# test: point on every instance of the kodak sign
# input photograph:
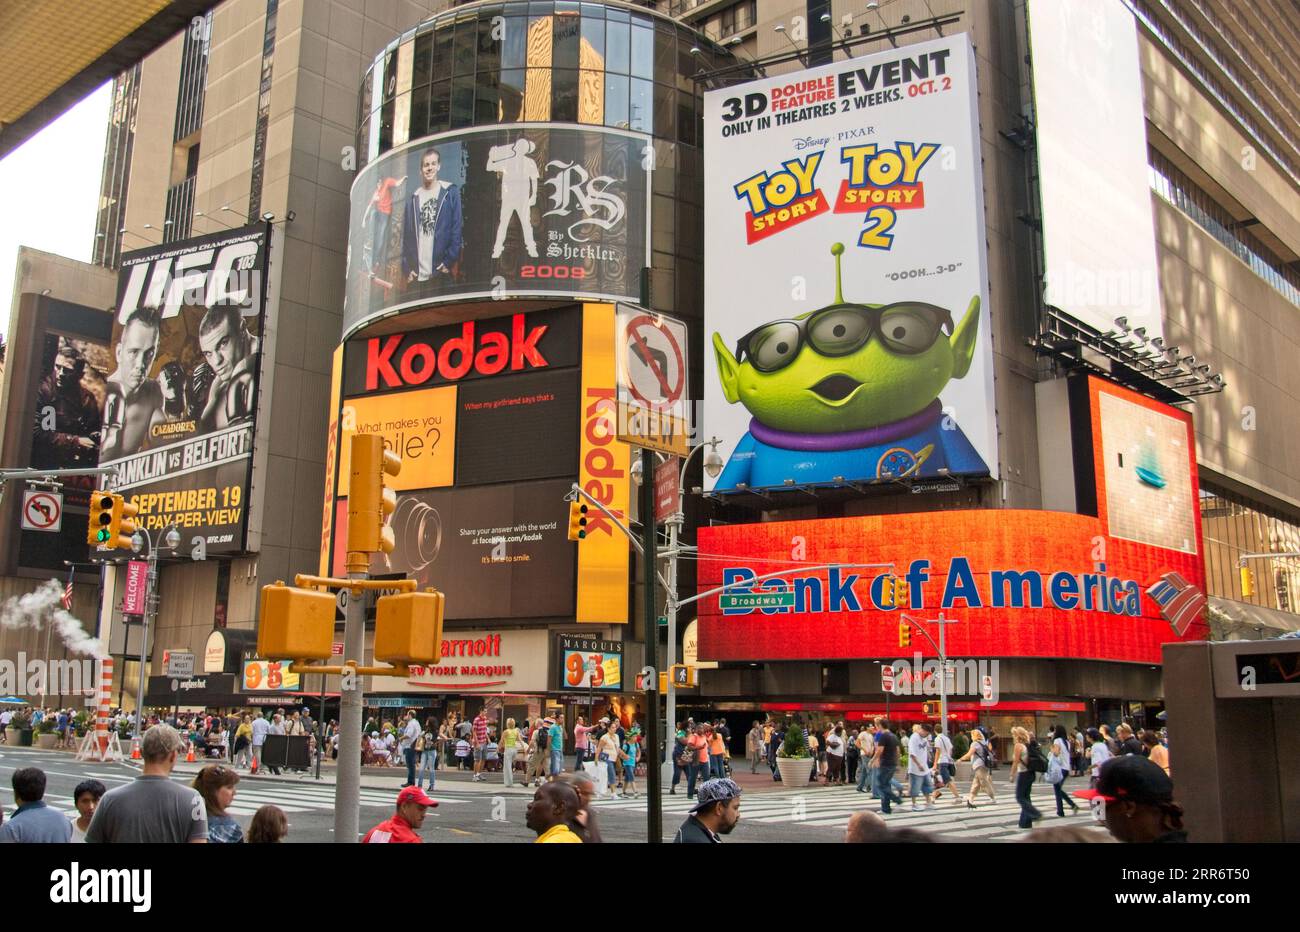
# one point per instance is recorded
(603, 470)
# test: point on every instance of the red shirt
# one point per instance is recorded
(392, 831)
(383, 198)
(480, 730)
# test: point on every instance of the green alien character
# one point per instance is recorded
(851, 390)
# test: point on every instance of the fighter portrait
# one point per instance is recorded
(134, 402)
(432, 226)
(232, 353)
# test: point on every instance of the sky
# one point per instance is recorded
(49, 190)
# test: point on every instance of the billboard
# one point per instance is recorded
(531, 209)
(269, 676)
(589, 663)
(1018, 583)
(58, 364)
(494, 420)
(1099, 242)
(181, 402)
(846, 293)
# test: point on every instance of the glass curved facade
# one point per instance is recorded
(608, 67)
(490, 63)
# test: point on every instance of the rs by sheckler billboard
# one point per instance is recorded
(846, 292)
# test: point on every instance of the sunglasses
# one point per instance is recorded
(906, 328)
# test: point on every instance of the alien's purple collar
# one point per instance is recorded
(849, 440)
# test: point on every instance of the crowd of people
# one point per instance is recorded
(67, 724)
(151, 809)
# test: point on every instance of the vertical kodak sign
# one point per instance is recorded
(331, 461)
(603, 471)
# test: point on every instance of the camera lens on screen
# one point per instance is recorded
(417, 528)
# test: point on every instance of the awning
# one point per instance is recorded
(1241, 621)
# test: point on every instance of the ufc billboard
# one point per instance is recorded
(180, 405)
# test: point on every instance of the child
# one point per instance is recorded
(628, 756)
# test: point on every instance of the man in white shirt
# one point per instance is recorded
(1098, 754)
(409, 735)
(918, 767)
(261, 728)
(945, 768)
(866, 751)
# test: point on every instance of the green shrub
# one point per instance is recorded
(794, 744)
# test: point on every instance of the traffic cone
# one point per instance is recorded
(254, 766)
(189, 755)
(135, 749)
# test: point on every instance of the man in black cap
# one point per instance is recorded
(716, 812)
(1135, 798)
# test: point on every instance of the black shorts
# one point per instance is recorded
(948, 771)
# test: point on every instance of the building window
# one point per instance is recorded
(1231, 526)
(733, 19)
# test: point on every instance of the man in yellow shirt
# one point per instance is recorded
(552, 811)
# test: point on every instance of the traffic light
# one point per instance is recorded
(111, 523)
(369, 501)
(900, 592)
(295, 623)
(577, 520)
(408, 627)
(1247, 582)
(683, 675)
(904, 634)
(101, 517)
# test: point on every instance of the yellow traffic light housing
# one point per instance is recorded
(369, 501)
(904, 634)
(99, 528)
(577, 520)
(1247, 583)
(930, 709)
(408, 627)
(124, 526)
(900, 592)
(295, 623)
(683, 675)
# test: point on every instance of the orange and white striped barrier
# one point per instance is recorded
(105, 698)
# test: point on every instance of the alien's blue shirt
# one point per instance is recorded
(915, 447)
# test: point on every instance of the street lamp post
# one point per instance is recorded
(171, 539)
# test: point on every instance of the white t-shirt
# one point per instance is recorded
(943, 744)
(834, 745)
(425, 219)
(977, 759)
(409, 734)
(78, 836)
(918, 755)
(6, 717)
(1100, 754)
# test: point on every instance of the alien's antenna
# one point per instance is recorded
(837, 250)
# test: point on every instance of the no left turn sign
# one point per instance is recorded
(42, 511)
(653, 359)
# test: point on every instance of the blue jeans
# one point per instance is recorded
(409, 754)
(557, 762)
(1062, 798)
(716, 766)
(884, 779)
(611, 779)
(922, 784)
(579, 756)
(1024, 784)
(866, 774)
(695, 772)
(427, 759)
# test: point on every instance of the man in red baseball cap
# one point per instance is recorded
(1135, 798)
(412, 805)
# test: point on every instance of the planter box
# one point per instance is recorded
(47, 742)
(794, 771)
(12, 737)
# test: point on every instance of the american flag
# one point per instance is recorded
(1180, 602)
(67, 592)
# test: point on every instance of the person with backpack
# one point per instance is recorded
(980, 755)
(1058, 768)
(1027, 762)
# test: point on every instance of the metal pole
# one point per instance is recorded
(347, 785)
(670, 658)
(943, 676)
(320, 727)
(150, 602)
(654, 804)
